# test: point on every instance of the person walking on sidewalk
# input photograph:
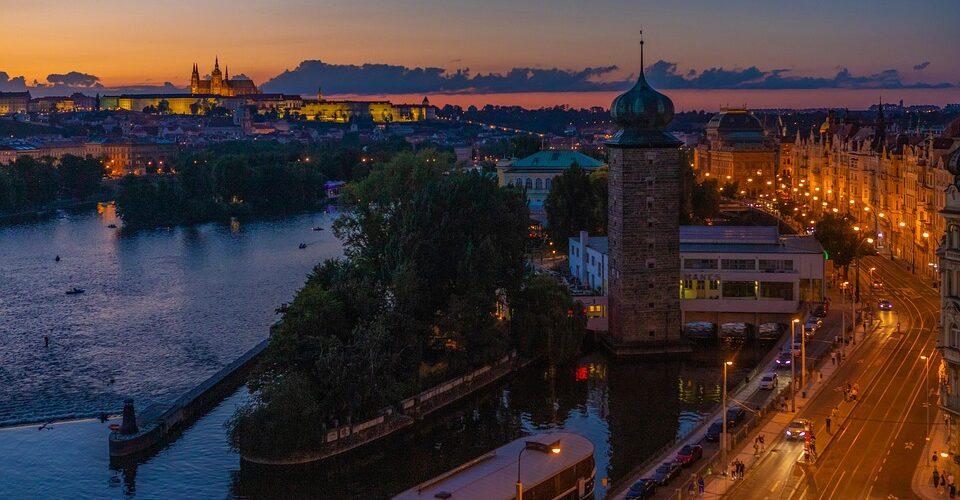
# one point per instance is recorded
(936, 476)
(756, 447)
(763, 443)
(701, 487)
(833, 358)
(828, 424)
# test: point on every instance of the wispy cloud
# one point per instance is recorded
(921, 66)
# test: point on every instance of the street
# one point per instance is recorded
(874, 453)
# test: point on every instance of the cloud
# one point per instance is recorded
(241, 76)
(15, 84)
(664, 74)
(394, 79)
(921, 66)
(73, 79)
(385, 78)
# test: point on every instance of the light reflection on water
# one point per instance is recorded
(164, 309)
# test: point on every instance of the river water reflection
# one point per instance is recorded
(164, 309)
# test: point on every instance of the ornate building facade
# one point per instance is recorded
(735, 149)
(219, 83)
(949, 342)
(893, 187)
(644, 222)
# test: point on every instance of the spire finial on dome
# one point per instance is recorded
(641, 51)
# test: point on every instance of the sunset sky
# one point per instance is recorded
(151, 42)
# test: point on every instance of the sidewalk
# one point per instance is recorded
(718, 485)
(923, 477)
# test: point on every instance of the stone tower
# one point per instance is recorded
(644, 221)
(195, 80)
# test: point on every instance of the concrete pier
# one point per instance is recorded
(157, 421)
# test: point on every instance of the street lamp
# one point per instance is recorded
(553, 447)
(857, 254)
(723, 450)
(926, 387)
(793, 365)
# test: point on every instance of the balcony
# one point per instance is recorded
(950, 354)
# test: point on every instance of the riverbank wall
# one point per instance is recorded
(158, 421)
(347, 437)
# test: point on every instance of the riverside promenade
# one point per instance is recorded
(766, 416)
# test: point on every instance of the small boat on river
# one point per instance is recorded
(75, 291)
(303, 245)
(317, 228)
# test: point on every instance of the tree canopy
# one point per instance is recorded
(432, 253)
(841, 241)
(577, 202)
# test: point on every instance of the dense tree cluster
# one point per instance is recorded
(842, 243)
(29, 183)
(243, 178)
(432, 254)
(577, 202)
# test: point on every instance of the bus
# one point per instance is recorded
(551, 466)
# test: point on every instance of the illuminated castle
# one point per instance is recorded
(220, 83)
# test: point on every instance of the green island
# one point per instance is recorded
(435, 281)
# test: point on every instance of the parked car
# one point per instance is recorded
(769, 381)
(644, 488)
(689, 454)
(798, 429)
(809, 328)
(785, 359)
(666, 472)
(735, 416)
(713, 432)
(885, 305)
(820, 311)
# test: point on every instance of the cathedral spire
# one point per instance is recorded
(216, 62)
(880, 132)
(226, 72)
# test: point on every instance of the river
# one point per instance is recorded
(164, 309)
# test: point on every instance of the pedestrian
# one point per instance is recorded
(936, 477)
(846, 394)
(833, 358)
(756, 448)
(828, 424)
(820, 375)
(763, 443)
(950, 480)
(700, 485)
(943, 484)
(953, 490)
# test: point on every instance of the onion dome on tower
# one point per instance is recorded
(642, 114)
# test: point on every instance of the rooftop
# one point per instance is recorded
(730, 239)
(494, 475)
(559, 158)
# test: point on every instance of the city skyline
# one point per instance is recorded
(515, 46)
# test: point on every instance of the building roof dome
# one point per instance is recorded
(642, 107)
(642, 114)
(735, 120)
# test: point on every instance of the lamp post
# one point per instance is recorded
(793, 366)
(843, 320)
(723, 447)
(803, 361)
(553, 447)
(926, 388)
(856, 285)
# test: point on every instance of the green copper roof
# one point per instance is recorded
(561, 158)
